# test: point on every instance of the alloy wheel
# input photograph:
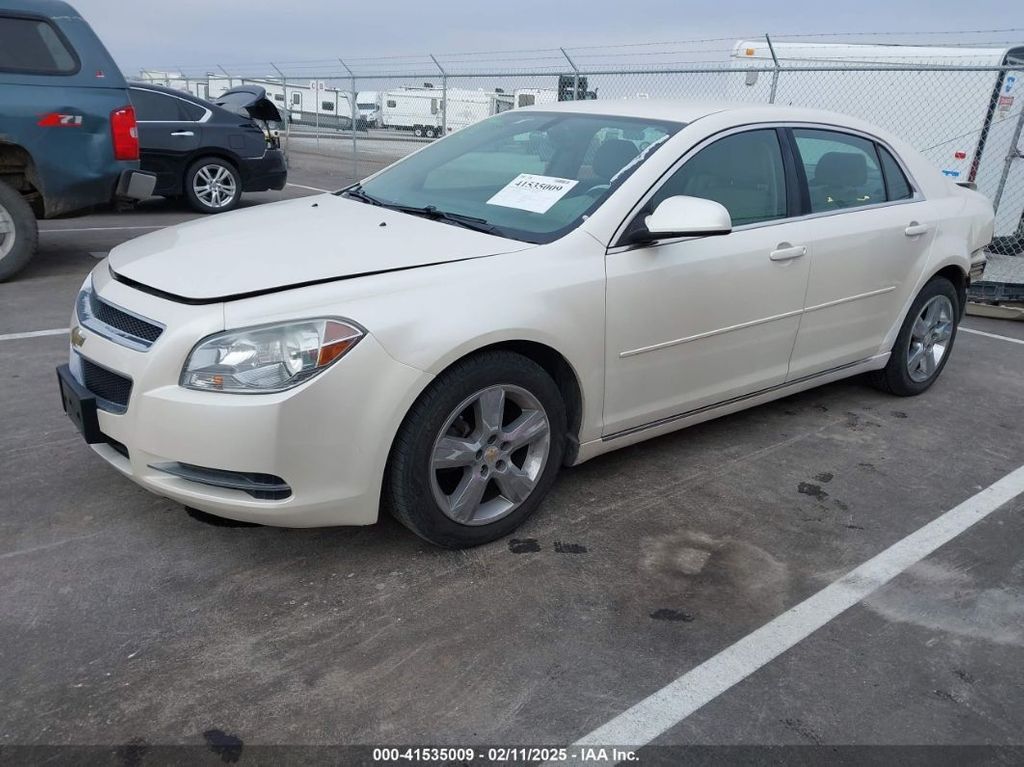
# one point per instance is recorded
(929, 338)
(7, 234)
(214, 185)
(489, 455)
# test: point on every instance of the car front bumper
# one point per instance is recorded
(326, 441)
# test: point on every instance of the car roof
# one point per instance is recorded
(48, 8)
(164, 89)
(677, 110)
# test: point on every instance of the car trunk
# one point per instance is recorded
(251, 101)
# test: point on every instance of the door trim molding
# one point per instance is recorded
(753, 323)
(859, 296)
(709, 334)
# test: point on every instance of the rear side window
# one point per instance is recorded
(743, 172)
(151, 106)
(842, 170)
(33, 46)
(896, 185)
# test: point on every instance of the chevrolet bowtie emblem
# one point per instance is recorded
(77, 337)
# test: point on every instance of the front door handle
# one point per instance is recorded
(787, 252)
(183, 133)
(915, 229)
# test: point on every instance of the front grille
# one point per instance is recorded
(106, 384)
(115, 323)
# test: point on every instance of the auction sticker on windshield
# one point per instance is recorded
(533, 193)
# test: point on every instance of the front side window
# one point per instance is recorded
(33, 46)
(842, 170)
(327, 106)
(151, 106)
(743, 172)
(530, 176)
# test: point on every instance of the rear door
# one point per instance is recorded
(170, 130)
(869, 233)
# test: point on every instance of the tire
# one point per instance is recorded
(924, 342)
(19, 233)
(417, 132)
(220, 178)
(431, 133)
(510, 475)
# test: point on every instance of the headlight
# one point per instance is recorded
(269, 358)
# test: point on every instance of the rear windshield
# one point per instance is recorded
(34, 46)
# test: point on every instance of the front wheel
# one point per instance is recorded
(212, 185)
(924, 342)
(478, 451)
(18, 232)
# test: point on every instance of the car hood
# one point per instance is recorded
(289, 244)
(251, 101)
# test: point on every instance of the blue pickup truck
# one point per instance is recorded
(68, 137)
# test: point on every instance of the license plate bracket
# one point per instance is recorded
(80, 406)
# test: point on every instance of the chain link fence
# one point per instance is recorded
(960, 105)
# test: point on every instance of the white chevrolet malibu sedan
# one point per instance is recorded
(532, 291)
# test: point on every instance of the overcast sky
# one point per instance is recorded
(201, 33)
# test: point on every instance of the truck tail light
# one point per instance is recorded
(125, 132)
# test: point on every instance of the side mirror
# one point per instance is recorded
(682, 216)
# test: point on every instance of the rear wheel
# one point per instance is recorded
(478, 451)
(212, 185)
(924, 342)
(18, 232)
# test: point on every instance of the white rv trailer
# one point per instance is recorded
(421, 110)
(966, 122)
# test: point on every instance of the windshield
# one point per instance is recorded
(531, 176)
(366, 106)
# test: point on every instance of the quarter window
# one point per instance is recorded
(34, 47)
(896, 185)
(190, 111)
(743, 172)
(842, 170)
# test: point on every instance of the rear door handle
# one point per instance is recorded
(787, 252)
(182, 133)
(915, 229)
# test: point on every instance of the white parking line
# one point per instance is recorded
(33, 334)
(101, 228)
(991, 335)
(671, 704)
(310, 188)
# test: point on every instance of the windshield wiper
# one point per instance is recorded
(356, 192)
(435, 214)
(427, 211)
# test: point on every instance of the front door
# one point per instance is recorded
(694, 322)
